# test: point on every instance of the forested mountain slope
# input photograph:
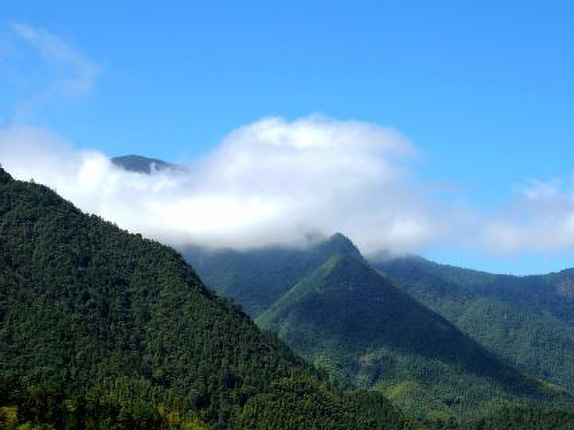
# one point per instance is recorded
(529, 320)
(536, 339)
(552, 293)
(103, 329)
(524, 418)
(348, 318)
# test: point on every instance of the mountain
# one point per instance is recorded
(139, 164)
(346, 316)
(258, 278)
(529, 320)
(100, 328)
(531, 332)
(353, 322)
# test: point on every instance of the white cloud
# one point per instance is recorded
(540, 219)
(271, 182)
(537, 189)
(276, 182)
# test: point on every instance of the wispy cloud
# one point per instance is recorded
(541, 218)
(78, 73)
(59, 71)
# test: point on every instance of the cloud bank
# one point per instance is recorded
(281, 183)
(272, 182)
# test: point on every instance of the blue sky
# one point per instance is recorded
(483, 90)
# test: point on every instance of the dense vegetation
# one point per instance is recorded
(357, 326)
(273, 410)
(530, 320)
(347, 317)
(524, 418)
(103, 329)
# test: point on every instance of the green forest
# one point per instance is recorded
(530, 319)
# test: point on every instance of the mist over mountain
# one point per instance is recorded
(474, 302)
(249, 191)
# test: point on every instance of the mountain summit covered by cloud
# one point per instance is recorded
(282, 183)
(272, 182)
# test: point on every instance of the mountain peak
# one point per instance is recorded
(140, 164)
(340, 244)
